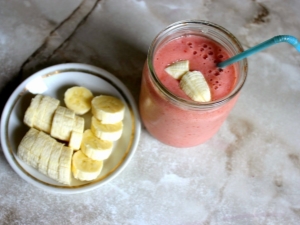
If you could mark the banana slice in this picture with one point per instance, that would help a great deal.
(108, 109)
(177, 69)
(54, 161)
(45, 155)
(63, 123)
(44, 113)
(75, 140)
(41, 141)
(77, 133)
(79, 124)
(26, 144)
(85, 168)
(64, 168)
(78, 99)
(109, 132)
(30, 113)
(94, 147)
(195, 86)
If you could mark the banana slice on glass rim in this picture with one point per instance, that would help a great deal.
(192, 83)
(195, 86)
(177, 69)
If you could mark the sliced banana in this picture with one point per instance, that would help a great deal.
(45, 155)
(30, 113)
(53, 164)
(79, 124)
(177, 69)
(109, 132)
(78, 99)
(94, 147)
(26, 144)
(63, 123)
(52, 158)
(77, 133)
(108, 109)
(195, 86)
(44, 113)
(64, 168)
(85, 168)
(75, 140)
(41, 141)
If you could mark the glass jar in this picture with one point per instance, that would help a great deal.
(178, 121)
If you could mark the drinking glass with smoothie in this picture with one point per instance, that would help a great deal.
(169, 110)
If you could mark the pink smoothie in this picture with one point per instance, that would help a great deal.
(174, 125)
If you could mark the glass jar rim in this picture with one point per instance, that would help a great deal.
(190, 103)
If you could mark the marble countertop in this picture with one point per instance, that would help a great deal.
(248, 173)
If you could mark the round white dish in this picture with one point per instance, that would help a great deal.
(54, 81)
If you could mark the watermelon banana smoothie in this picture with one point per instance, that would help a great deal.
(167, 110)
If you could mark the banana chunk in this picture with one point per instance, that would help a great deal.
(79, 124)
(94, 147)
(85, 168)
(75, 140)
(78, 99)
(30, 113)
(26, 144)
(109, 132)
(177, 69)
(53, 164)
(41, 141)
(45, 155)
(195, 86)
(108, 109)
(46, 117)
(44, 113)
(77, 133)
(63, 123)
(64, 168)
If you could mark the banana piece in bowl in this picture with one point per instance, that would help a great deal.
(109, 132)
(108, 109)
(40, 112)
(85, 168)
(94, 147)
(45, 154)
(30, 113)
(66, 126)
(63, 123)
(78, 99)
(52, 126)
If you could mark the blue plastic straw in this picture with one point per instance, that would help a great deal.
(275, 40)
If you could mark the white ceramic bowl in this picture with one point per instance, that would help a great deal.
(54, 81)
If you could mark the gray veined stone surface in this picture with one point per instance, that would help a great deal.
(249, 173)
